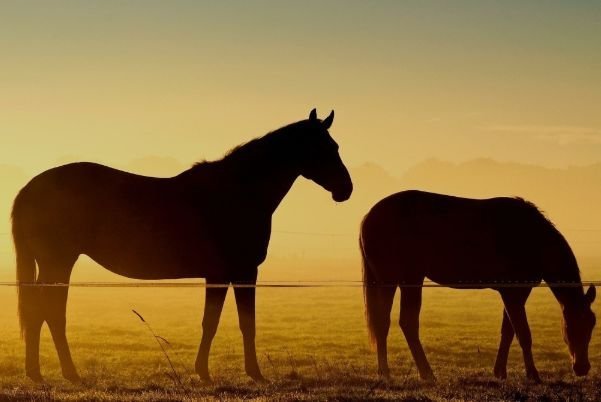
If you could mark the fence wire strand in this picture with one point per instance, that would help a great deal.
(307, 284)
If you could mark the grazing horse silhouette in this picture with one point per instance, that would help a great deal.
(212, 221)
(469, 243)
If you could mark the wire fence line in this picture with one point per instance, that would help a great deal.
(308, 284)
(336, 234)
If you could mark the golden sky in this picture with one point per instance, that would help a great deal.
(113, 81)
(153, 86)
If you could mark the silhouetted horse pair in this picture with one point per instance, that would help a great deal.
(213, 221)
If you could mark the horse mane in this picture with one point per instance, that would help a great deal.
(537, 211)
(544, 219)
(260, 150)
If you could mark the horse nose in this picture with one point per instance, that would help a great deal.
(344, 194)
(581, 369)
(340, 197)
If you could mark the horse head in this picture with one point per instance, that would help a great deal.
(578, 323)
(321, 161)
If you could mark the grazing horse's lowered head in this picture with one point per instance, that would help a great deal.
(577, 327)
(321, 162)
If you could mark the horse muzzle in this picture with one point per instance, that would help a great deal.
(581, 369)
(342, 195)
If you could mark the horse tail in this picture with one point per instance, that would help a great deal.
(370, 295)
(26, 267)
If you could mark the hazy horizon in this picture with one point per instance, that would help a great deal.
(312, 232)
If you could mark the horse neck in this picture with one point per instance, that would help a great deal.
(563, 276)
(569, 297)
(270, 188)
(264, 173)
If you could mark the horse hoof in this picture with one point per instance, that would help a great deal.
(205, 379)
(258, 378)
(73, 378)
(384, 376)
(534, 377)
(36, 377)
(428, 378)
(500, 374)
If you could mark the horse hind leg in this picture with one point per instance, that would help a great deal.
(384, 297)
(411, 301)
(507, 334)
(54, 302)
(515, 300)
(31, 323)
(214, 299)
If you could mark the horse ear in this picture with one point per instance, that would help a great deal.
(313, 114)
(327, 123)
(591, 293)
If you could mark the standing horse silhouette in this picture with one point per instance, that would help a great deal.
(212, 221)
(468, 243)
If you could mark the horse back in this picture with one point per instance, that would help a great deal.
(131, 224)
(451, 240)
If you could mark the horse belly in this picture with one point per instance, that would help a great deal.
(157, 258)
(462, 270)
(461, 261)
(477, 265)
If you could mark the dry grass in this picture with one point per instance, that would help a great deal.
(312, 344)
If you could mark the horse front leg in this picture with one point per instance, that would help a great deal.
(411, 302)
(215, 296)
(245, 301)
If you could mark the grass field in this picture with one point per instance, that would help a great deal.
(311, 343)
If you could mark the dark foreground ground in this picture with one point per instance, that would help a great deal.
(339, 386)
(311, 343)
